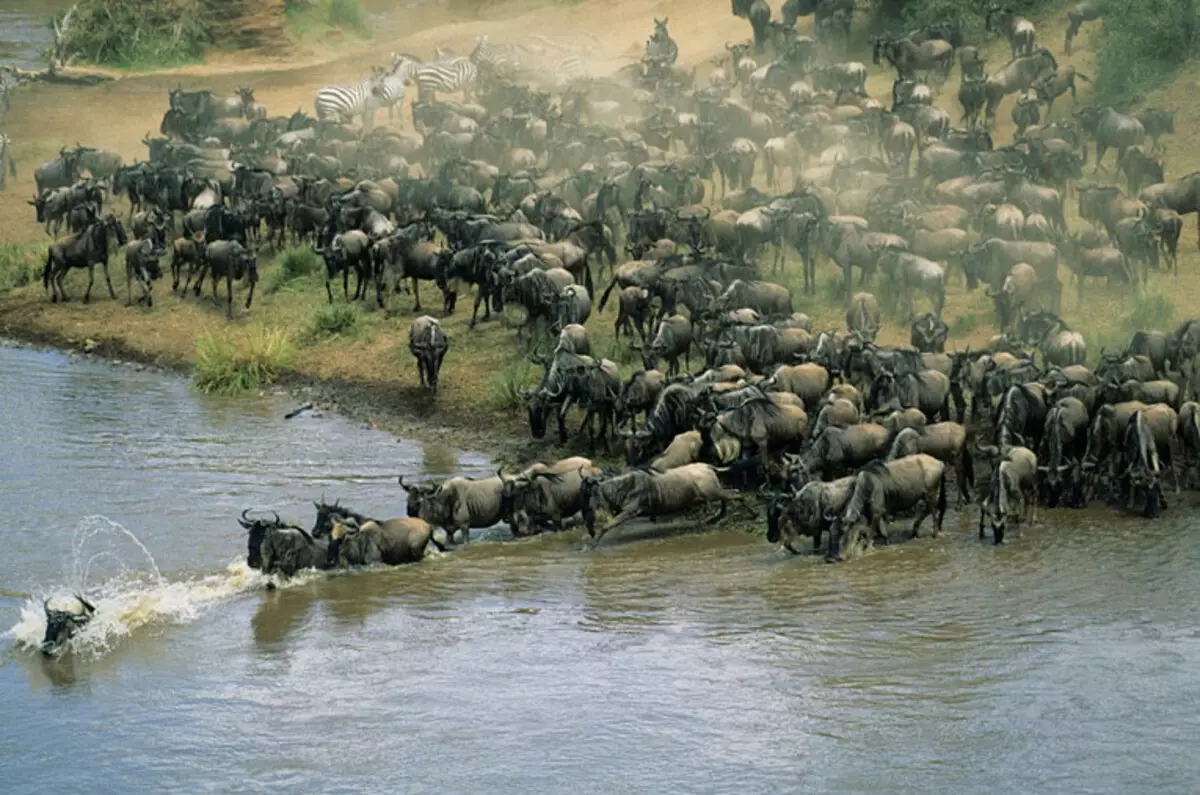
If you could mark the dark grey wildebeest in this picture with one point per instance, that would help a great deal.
(428, 343)
(883, 489)
(83, 250)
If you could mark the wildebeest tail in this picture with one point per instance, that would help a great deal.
(440, 546)
(607, 290)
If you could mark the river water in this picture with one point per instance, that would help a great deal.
(1063, 662)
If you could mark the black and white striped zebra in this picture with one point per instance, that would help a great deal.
(502, 58)
(445, 77)
(345, 102)
(661, 49)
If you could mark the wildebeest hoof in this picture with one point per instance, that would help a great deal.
(271, 586)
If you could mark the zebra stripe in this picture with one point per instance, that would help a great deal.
(445, 77)
(498, 57)
(345, 102)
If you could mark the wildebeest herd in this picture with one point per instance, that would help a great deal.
(534, 196)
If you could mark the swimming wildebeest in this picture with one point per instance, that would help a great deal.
(62, 625)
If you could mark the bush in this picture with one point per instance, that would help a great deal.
(505, 386)
(348, 15)
(20, 265)
(139, 35)
(1140, 45)
(332, 321)
(226, 366)
(292, 264)
(1149, 311)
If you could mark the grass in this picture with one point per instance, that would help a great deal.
(291, 265)
(1149, 311)
(20, 265)
(226, 365)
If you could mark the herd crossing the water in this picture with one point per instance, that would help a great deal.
(538, 189)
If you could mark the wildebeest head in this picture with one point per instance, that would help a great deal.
(256, 531)
(61, 625)
(420, 495)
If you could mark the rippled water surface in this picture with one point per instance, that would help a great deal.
(1065, 661)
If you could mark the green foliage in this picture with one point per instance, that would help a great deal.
(1140, 45)
(1149, 311)
(965, 324)
(317, 18)
(504, 388)
(291, 265)
(333, 321)
(227, 366)
(146, 34)
(20, 265)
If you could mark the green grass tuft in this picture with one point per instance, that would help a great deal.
(20, 265)
(316, 19)
(291, 266)
(227, 366)
(143, 35)
(504, 388)
(334, 320)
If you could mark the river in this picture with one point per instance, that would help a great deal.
(1064, 661)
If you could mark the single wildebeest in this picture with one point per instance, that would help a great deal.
(1111, 130)
(1018, 30)
(392, 542)
(1064, 444)
(62, 625)
(642, 492)
(464, 503)
(765, 298)
(274, 547)
(142, 263)
(1017, 75)
(347, 250)
(428, 343)
(229, 260)
(639, 394)
(863, 316)
(838, 451)
(545, 494)
(1157, 123)
(760, 424)
(62, 172)
(883, 489)
(1013, 484)
(673, 340)
(945, 441)
(807, 381)
(83, 250)
(806, 512)
(928, 333)
(1083, 11)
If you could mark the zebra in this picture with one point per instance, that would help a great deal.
(6, 155)
(446, 77)
(661, 49)
(346, 102)
(506, 58)
(387, 88)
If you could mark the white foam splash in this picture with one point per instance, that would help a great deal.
(132, 594)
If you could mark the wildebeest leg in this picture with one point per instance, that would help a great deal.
(108, 280)
(87, 296)
(129, 285)
(250, 294)
(417, 294)
(880, 529)
(624, 516)
(346, 284)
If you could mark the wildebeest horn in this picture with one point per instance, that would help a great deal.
(46, 606)
(88, 607)
(401, 481)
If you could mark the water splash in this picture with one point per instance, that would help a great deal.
(118, 574)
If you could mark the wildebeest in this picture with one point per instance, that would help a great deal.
(62, 624)
(392, 542)
(85, 249)
(672, 341)
(229, 260)
(839, 450)
(882, 489)
(945, 441)
(545, 494)
(142, 263)
(1111, 130)
(428, 343)
(1083, 11)
(645, 492)
(1013, 485)
(275, 547)
(807, 512)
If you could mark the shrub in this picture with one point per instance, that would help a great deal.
(226, 366)
(139, 35)
(505, 386)
(332, 321)
(20, 265)
(292, 264)
(348, 15)
(1140, 45)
